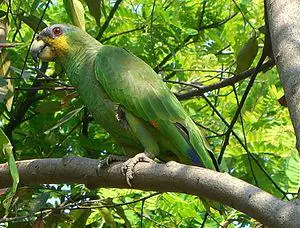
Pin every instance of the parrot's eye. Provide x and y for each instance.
(57, 31)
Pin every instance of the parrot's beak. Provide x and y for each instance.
(36, 48)
(41, 50)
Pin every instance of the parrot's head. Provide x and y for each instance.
(54, 42)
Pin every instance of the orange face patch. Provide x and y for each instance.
(59, 45)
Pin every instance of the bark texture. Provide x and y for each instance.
(284, 26)
(170, 177)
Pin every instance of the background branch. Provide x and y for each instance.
(170, 177)
(225, 82)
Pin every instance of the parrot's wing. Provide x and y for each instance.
(132, 83)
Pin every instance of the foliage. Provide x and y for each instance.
(197, 42)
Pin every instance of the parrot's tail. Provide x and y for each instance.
(190, 144)
(199, 144)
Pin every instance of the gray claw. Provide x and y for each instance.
(104, 163)
(128, 166)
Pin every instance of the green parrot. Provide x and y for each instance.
(126, 97)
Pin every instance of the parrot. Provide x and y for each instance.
(126, 97)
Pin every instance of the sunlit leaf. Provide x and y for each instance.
(75, 11)
(246, 55)
(6, 148)
(94, 8)
(33, 22)
(293, 172)
(51, 106)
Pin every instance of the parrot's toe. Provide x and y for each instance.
(109, 160)
(127, 168)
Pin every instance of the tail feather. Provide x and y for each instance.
(187, 138)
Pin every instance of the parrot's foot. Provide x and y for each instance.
(127, 168)
(109, 160)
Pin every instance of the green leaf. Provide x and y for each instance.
(80, 217)
(94, 216)
(191, 31)
(34, 6)
(50, 106)
(293, 172)
(108, 217)
(94, 8)
(246, 55)
(2, 13)
(6, 148)
(3, 89)
(64, 119)
(75, 11)
(33, 22)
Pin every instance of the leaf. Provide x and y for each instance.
(33, 22)
(80, 217)
(3, 89)
(94, 216)
(75, 11)
(6, 148)
(34, 6)
(293, 172)
(26, 73)
(94, 8)
(64, 119)
(2, 13)
(6, 86)
(246, 55)
(191, 31)
(120, 211)
(108, 217)
(49, 106)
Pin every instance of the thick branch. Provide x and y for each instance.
(170, 177)
(284, 28)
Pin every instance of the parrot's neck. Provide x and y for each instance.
(80, 49)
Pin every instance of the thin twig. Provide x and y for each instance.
(188, 38)
(243, 15)
(33, 37)
(57, 88)
(245, 138)
(108, 19)
(238, 138)
(122, 33)
(245, 147)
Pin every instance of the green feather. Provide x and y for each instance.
(108, 77)
(135, 86)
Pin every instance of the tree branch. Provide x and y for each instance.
(122, 33)
(225, 82)
(284, 24)
(170, 177)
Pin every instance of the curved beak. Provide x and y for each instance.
(36, 48)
